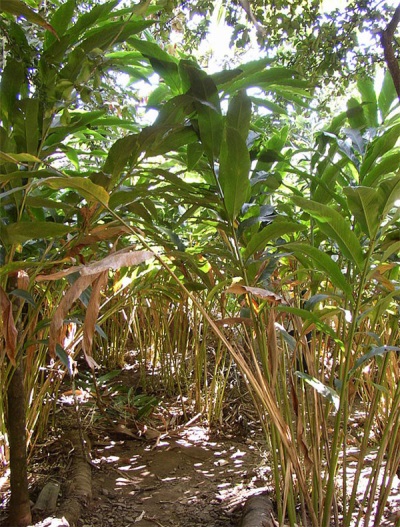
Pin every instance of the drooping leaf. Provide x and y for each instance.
(19, 159)
(333, 224)
(92, 312)
(19, 8)
(387, 95)
(21, 293)
(82, 185)
(121, 151)
(60, 21)
(378, 148)
(324, 263)
(234, 171)
(17, 233)
(264, 294)
(388, 164)
(206, 102)
(375, 351)
(271, 232)
(364, 205)
(326, 391)
(122, 258)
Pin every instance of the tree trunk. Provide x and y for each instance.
(20, 511)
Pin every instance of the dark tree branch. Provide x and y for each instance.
(387, 37)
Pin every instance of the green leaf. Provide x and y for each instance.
(334, 225)
(234, 171)
(326, 391)
(12, 78)
(374, 352)
(324, 263)
(378, 148)
(271, 232)
(121, 151)
(60, 21)
(365, 206)
(367, 90)
(389, 194)
(19, 159)
(194, 153)
(82, 185)
(66, 359)
(206, 102)
(325, 184)
(19, 8)
(239, 114)
(387, 95)
(388, 164)
(21, 293)
(17, 233)
(113, 33)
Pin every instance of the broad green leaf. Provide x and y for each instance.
(270, 76)
(17, 233)
(378, 148)
(175, 110)
(324, 263)
(121, 151)
(19, 159)
(234, 171)
(326, 391)
(364, 204)
(21, 293)
(390, 193)
(13, 76)
(325, 184)
(355, 114)
(19, 8)
(367, 89)
(194, 153)
(271, 232)
(389, 163)
(313, 318)
(60, 21)
(206, 102)
(152, 50)
(333, 224)
(239, 114)
(113, 33)
(387, 95)
(82, 185)
(46, 203)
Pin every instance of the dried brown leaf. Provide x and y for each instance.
(69, 298)
(116, 261)
(92, 313)
(9, 330)
(123, 258)
(264, 294)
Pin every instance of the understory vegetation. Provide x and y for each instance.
(247, 235)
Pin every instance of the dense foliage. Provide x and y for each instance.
(235, 211)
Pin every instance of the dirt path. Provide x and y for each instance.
(185, 481)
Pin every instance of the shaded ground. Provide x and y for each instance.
(187, 480)
(163, 469)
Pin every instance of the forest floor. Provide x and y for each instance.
(165, 469)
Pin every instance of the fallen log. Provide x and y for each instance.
(258, 512)
(79, 487)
